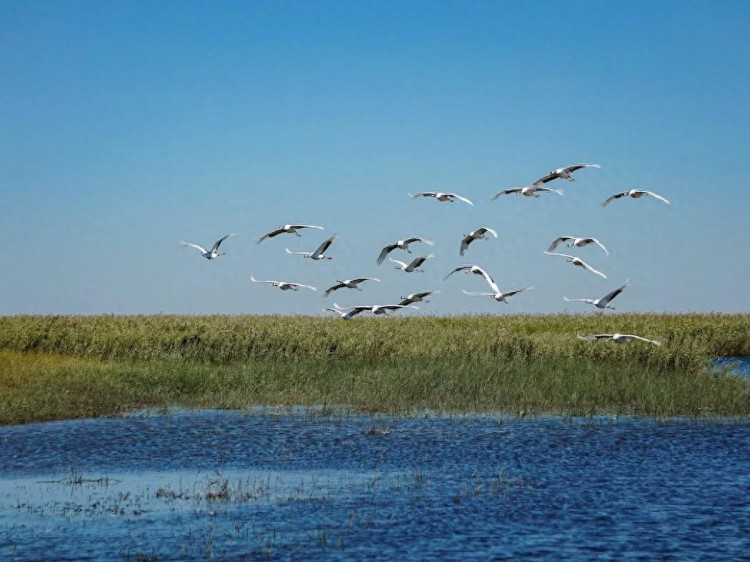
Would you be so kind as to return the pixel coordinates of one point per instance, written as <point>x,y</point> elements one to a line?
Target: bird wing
<point>478,293</point>
<point>465,244</point>
<point>490,281</point>
<point>423,194</point>
<point>575,167</point>
<point>485,229</point>
<point>553,175</point>
<point>359,280</point>
<point>288,251</point>
<point>305,286</point>
<point>270,234</point>
<point>594,337</point>
<point>563,255</point>
<point>613,197</point>
<point>401,263</point>
<point>549,189</point>
<point>642,339</point>
<point>506,192</point>
<point>216,245</point>
<point>591,269</point>
<point>298,226</point>
<point>416,262</point>
<point>652,194</point>
<point>384,252</point>
<point>516,291</point>
<point>557,241</point>
<point>201,248</point>
<point>461,198</point>
<point>324,246</point>
<point>418,239</point>
<point>459,268</point>
<point>332,288</point>
<point>608,297</point>
<point>566,299</point>
<point>595,241</point>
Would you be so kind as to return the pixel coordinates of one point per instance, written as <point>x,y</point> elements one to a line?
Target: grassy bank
<point>66,367</point>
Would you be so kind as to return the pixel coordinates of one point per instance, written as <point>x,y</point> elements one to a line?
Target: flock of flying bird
<point>533,190</point>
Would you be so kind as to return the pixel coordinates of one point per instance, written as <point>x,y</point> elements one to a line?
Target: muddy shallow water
<point>215,485</point>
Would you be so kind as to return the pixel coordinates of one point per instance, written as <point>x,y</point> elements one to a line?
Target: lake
<point>294,484</point>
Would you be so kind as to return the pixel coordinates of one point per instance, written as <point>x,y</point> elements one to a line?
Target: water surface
<point>226,485</point>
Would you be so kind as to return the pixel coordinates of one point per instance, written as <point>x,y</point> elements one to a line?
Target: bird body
<point>604,301</point>
<point>284,285</point>
<point>348,284</point>
<point>618,338</point>
<point>565,173</point>
<point>442,197</point>
<point>635,194</point>
<point>288,229</point>
<point>211,254</point>
<point>403,245</point>
<point>319,253</point>
<point>478,234</point>
<point>414,265</point>
<point>578,262</point>
<point>577,242</point>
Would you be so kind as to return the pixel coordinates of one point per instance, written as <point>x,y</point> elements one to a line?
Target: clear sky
<point>126,127</point>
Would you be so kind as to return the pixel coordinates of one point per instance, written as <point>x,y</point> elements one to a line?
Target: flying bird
<point>403,245</point>
<point>375,308</point>
<point>577,242</point>
<point>604,301</point>
<point>528,191</point>
<point>420,296</point>
<point>318,254</point>
<point>214,252</point>
<point>288,229</point>
<point>348,284</point>
<point>478,234</point>
<point>499,296</point>
<point>476,270</point>
<point>284,285</point>
<point>565,173</point>
<point>345,314</point>
<point>442,197</point>
<point>578,262</point>
<point>617,338</point>
<point>635,194</point>
<point>414,265</point>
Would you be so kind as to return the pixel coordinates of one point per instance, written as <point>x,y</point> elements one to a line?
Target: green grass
<point>69,367</point>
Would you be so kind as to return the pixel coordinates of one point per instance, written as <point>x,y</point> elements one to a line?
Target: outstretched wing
<point>608,297</point>
<point>485,230</point>
<point>478,293</point>
<point>515,292</point>
<point>465,244</point>
<point>592,270</point>
<point>416,262</point>
<point>595,241</point>
<point>384,252</point>
<point>333,288</point>
<point>196,246</point>
<point>418,239</point>
<point>324,246</point>
<point>613,197</point>
<point>461,198</point>
<point>423,194</point>
<point>298,226</point>
<point>659,197</point>
<point>270,234</point>
<point>506,192</point>
<point>595,337</point>
<point>459,268</point>
<point>288,251</point>
<point>490,281</point>
<point>216,245</point>
<point>304,286</point>
<point>642,339</point>
<point>558,241</point>
<point>401,263</point>
<point>562,255</point>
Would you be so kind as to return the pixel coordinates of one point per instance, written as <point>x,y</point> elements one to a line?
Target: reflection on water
<point>223,485</point>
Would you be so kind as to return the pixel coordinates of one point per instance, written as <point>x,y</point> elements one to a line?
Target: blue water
<point>338,487</point>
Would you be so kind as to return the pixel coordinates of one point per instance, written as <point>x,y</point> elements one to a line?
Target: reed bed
<point>54,367</point>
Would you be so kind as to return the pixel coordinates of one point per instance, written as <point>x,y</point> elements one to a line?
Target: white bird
<point>604,301</point>
<point>288,229</point>
<point>635,194</point>
<point>420,296</point>
<point>284,285</point>
<point>375,308</point>
<point>345,314</point>
<point>476,270</point>
<point>403,245</point>
<point>414,265</point>
<point>478,234</point>
<point>348,284</point>
<point>528,191</point>
<point>577,242</point>
<point>318,254</point>
<point>442,197</point>
<point>617,338</point>
<point>214,252</point>
<point>565,173</point>
<point>577,262</point>
<point>499,296</point>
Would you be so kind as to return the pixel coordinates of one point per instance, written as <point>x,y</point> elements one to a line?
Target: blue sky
<point>127,127</point>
